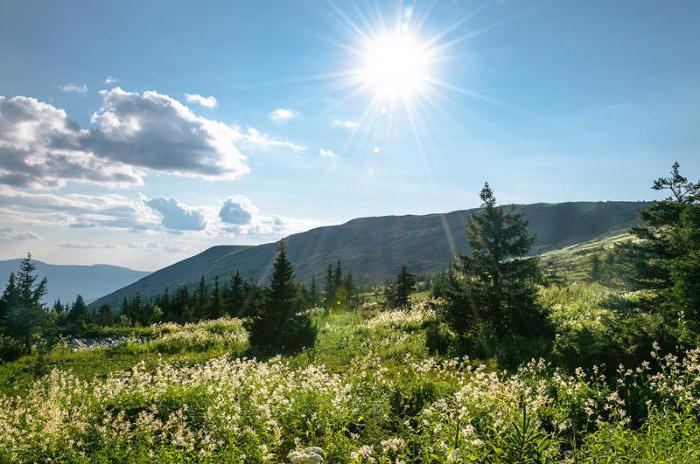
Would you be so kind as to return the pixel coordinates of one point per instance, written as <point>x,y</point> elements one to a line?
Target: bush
<point>10,348</point>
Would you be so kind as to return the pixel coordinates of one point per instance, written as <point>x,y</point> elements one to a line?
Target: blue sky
<point>107,160</point>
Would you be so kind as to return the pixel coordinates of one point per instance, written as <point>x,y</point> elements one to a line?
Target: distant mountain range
<point>374,248</point>
<point>65,282</point>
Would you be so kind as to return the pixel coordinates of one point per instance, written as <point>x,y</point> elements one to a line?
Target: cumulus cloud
<point>241,218</point>
<point>207,102</point>
<point>111,80</point>
<point>282,114</point>
<point>11,235</point>
<point>345,124</point>
<point>40,146</point>
<point>238,210</point>
<point>74,88</point>
<point>155,131</point>
<point>175,215</point>
<point>326,153</point>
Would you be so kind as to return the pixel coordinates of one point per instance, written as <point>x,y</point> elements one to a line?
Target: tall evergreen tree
<point>492,297</point>
<point>235,295</point>
<point>279,325</point>
<point>216,308</point>
<point>402,288</point>
<point>79,314</point>
<point>665,258</point>
<point>329,288</point>
<point>24,315</point>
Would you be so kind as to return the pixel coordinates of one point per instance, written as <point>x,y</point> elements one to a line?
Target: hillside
<point>374,248</point>
<point>67,281</point>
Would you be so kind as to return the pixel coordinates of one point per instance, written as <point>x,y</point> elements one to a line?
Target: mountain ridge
<point>66,281</point>
<point>373,248</point>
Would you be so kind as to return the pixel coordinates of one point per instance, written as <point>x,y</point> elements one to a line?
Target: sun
<point>396,64</point>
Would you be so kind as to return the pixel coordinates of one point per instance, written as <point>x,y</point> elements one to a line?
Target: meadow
<point>368,392</point>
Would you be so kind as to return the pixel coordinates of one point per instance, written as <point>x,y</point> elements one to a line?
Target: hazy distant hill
<point>65,282</point>
<point>374,248</point>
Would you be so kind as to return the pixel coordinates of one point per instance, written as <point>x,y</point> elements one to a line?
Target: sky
<point>140,133</point>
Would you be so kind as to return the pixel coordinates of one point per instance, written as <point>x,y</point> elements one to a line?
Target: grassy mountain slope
<point>374,248</point>
<point>66,281</point>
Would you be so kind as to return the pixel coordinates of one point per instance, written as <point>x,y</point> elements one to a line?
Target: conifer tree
<point>235,300</point>
<point>329,288</point>
<point>24,315</point>
<point>279,325</point>
<point>405,284</point>
<point>665,258</point>
<point>492,297</point>
<point>79,313</point>
<point>215,303</point>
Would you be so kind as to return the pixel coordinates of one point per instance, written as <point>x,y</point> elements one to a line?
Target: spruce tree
<point>279,325</point>
<point>329,288</point>
<point>405,284</point>
<point>665,257</point>
<point>235,296</point>
<point>24,315</point>
<point>491,299</point>
<point>216,308</point>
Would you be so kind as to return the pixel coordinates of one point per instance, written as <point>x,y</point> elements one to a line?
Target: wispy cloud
<point>79,245</point>
<point>11,235</point>
<point>282,114</point>
<point>326,153</point>
<point>207,102</point>
<point>74,88</point>
<point>345,124</point>
<point>111,80</point>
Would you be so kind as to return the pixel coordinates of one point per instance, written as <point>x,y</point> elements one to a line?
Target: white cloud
<point>161,246</point>
<point>79,245</point>
<point>111,80</point>
<point>41,147</point>
<point>345,124</point>
<point>282,114</point>
<point>176,215</point>
<point>238,210</point>
<point>207,102</point>
<point>74,88</point>
<point>326,153</point>
<point>253,138</point>
<point>77,210</point>
<point>155,131</point>
<point>11,235</point>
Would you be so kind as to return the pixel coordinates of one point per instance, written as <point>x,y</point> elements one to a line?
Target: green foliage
<point>22,314</point>
<point>279,325</point>
<point>491,298</point>
<point>397,293</point>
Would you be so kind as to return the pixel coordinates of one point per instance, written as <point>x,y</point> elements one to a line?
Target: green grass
<point>573,263</point>
<point>367,392</point>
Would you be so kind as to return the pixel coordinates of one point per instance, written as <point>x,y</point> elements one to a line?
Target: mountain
<point>67,281</point>
<point>374,248</point>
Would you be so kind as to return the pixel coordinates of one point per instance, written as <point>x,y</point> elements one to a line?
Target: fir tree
<point>278,325</point>
<point>23,313</point>
<point>216,309</point>
<point>491,299</point>
<point>405,284</point>
<point>329,288</point>
<point>235,295</point>
<point>665,258</point>
<point>105,315</point>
